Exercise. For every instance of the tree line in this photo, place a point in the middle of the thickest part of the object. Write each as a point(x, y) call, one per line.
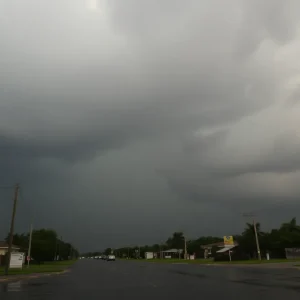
point(46, 245)
point(273, 242)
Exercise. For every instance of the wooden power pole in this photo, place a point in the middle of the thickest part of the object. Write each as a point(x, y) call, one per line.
point(256, 239)
point(29, 248)
point(12, 226)
point(255, 233)
point(185, 248)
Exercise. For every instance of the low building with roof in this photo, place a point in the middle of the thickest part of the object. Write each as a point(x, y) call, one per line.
point(4, 248)
point(172, 253)
point(223, 248)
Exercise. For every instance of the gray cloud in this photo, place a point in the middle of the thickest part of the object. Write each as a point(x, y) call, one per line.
point(119, 114)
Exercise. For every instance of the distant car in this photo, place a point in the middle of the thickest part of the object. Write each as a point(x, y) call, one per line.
point(111, 258)
point(103, 257)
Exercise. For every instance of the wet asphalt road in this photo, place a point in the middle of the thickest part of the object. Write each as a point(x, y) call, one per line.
point(91, 279)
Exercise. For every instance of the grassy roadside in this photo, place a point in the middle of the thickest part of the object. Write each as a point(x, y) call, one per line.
point(48, 267)
point(252, 262)
point(208, 261)
point(171, 261)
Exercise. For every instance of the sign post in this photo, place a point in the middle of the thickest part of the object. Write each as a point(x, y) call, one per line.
point(228, 242)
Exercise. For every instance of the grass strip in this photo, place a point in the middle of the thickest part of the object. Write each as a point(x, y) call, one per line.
point(48, 267)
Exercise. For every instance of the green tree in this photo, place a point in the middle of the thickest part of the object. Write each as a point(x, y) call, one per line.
point(20, 240)
point(107, 251)
point(249, 230)
point(290, 226)
point(176, 241)
point(44, 243)
point(247, 241)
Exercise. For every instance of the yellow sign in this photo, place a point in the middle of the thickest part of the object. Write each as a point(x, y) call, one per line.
point(228, 241)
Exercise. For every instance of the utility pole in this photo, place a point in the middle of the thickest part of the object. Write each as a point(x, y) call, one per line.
point(29, 248)
point(12, 226)
point(256, 235)
point(185, 248)
point(257, 241)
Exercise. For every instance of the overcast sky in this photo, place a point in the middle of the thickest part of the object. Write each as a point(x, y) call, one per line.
point(124, 121)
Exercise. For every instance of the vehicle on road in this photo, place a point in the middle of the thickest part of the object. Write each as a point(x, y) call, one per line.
point(111, 258)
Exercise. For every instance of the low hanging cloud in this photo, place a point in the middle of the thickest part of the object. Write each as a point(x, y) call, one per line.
point(111, 107)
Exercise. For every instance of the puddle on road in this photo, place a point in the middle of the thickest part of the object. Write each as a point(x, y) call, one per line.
point(36, 283)
point(12, 286)
point(188, 274)
point(19, 286)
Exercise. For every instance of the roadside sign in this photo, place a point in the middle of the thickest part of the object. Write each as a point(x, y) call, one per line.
point(228, 241)
point(16, 260)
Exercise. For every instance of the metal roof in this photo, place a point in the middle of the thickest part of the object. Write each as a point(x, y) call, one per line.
point(225, 249)
point(173, 251)
point(219, 244)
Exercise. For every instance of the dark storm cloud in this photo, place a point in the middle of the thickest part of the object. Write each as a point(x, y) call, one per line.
point(110, 110)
